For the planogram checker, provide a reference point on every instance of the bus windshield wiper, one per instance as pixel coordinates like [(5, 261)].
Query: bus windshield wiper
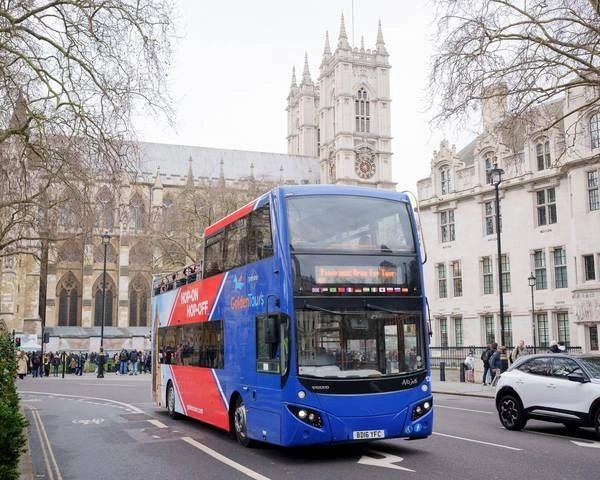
[(381, 309), (321, 309)]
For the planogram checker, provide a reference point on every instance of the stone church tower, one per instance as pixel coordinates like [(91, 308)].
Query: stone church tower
[(345, 119)]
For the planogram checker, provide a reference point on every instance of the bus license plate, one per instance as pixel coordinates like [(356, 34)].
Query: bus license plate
[(368, 434)]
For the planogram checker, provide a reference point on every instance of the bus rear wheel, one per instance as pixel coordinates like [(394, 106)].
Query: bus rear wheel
[(240, 424), (171, 402)]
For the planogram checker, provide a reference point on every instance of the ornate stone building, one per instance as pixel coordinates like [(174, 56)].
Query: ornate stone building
[(338, 132), (345, 118), (550, 226)]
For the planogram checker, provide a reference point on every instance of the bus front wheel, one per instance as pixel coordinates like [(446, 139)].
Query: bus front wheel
[(171, 402), (240, 424)]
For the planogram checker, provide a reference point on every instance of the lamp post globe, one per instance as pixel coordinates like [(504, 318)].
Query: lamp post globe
[(105, 241), (496, 179), (531, 280)]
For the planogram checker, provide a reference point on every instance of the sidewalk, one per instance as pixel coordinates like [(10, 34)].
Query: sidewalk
[(465, 389)]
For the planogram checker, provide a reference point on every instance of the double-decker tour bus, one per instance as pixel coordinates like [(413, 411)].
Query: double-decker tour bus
[(305, 324)]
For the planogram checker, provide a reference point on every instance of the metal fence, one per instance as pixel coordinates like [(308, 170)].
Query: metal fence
[(454, 356)]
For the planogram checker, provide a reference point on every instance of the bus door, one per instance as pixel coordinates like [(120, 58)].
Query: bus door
[(272, 368)]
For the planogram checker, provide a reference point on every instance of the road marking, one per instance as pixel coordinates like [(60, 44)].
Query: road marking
[(387, 461), (158, 423), (477, 441), (551, 435), (107, 400), (586, 444), (42, 445), (46, 446), (224, 459), (464, 409), (87, 421)]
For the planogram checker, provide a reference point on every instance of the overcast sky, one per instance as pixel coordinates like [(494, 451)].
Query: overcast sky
[(233, 64)]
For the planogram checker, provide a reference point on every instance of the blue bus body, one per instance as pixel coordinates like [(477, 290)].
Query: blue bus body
[(304, 338)]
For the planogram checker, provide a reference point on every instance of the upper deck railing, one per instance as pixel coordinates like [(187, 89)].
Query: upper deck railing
[(181, 277)]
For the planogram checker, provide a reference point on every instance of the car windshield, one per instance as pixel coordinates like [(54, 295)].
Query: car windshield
[(358, 344), (592, 365)]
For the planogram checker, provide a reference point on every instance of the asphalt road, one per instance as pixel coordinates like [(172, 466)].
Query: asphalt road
[(85, 428)]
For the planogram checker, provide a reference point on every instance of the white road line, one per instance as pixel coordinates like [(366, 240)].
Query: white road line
[(158, 423), (224, 459), (43, 433), (108, 400), (477, 441), (463, 409)]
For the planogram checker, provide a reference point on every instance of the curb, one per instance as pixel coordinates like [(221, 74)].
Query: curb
[(463, 394), (25, 461)]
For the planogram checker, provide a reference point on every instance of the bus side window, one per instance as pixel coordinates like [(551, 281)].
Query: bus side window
[(213, 254), (260, 240)]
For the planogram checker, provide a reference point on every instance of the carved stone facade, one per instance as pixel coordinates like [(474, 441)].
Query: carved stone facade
[(550, 225), (344, 119), (137, 214)]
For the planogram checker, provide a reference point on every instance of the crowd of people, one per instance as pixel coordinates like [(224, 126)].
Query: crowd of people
[(123, 362), (496, 359)]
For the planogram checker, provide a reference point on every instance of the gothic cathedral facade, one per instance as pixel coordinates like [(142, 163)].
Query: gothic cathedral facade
[(344, 119)]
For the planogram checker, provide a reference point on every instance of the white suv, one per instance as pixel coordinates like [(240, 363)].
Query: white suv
[(551, 387)]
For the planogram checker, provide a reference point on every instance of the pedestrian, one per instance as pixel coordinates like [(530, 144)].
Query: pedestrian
[(21, 365), (55, 364), (35, 364), (133, 358), (519, 351), (80, 364), (485, 358), (73, 364), (495, 362), (470, 367), (46, 365), (554, 347), (123, 358)]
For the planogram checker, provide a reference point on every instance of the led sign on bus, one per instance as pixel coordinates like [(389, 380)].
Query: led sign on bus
[(358, 274)]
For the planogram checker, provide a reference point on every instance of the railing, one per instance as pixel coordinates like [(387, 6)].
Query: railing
[(453, 357), (177, 279)]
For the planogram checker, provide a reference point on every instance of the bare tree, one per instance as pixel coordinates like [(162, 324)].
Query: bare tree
[(72, 73), (538, 49)]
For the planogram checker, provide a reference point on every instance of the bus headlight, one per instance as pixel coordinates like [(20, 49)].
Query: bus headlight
[(311, 417), (421, 409)]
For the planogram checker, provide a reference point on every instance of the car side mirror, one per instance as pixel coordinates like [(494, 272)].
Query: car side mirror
[(577, 377)]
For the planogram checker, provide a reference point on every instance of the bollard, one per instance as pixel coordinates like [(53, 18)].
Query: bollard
[(442, 371), (462, 373)]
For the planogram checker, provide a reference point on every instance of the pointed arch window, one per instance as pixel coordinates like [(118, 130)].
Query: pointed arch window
[(68, 301), (138, 302), (595, 130), (362, 111), (68, 216), (445, 179), (136, 213), (490, 162), (104, 209), (108, 310)]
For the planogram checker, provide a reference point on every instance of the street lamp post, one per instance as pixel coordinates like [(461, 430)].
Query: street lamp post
[(531, 280), (105, 242), (496, 177)]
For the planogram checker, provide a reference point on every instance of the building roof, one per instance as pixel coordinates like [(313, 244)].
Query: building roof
[(86, 332), (208, 163)]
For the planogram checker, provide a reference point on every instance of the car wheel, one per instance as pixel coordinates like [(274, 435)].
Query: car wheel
[(240, 424), (171, 402), (597, 422), (511, 413)]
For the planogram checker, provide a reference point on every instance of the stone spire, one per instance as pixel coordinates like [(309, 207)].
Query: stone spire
[(294, 84), (327, 49), (157, 181), (380, 43), (362, 43), (190, 174), (221, 172), (306, 80), (343, 38)]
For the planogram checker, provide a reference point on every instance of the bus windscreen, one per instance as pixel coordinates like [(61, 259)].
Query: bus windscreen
[(349, 223)]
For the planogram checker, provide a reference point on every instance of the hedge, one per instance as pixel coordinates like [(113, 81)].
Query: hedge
[(12, 423)]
